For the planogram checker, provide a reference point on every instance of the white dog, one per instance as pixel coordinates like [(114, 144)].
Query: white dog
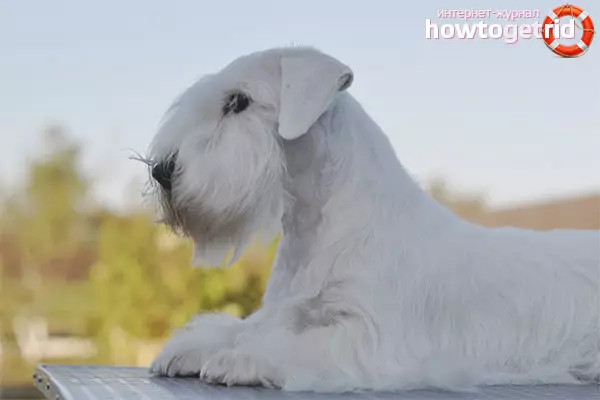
[(375, 285)]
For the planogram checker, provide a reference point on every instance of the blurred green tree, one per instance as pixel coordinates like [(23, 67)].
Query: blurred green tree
[(44, 221), (144, 286), (45, 241)]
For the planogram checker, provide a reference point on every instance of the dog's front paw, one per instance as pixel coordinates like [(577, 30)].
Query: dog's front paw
[(184, 354), (238, 367), (178, 359)]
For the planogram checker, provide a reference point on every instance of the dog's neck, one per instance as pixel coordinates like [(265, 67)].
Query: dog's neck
[(339, 179), (345, 157)]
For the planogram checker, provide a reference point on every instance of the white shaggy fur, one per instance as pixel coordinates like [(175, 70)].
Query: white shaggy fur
[(375, 285)]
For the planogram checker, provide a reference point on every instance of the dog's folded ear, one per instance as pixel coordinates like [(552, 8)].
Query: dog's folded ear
[(309, 82)]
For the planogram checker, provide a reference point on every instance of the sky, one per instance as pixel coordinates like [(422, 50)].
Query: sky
[(512, 122)]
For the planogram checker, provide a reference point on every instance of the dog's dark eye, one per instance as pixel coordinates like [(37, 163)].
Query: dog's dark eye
[(236, 103)]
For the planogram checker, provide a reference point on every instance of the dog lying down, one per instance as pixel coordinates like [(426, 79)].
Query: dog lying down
[(375, 285)]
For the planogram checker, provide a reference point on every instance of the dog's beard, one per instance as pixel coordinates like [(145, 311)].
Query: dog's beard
[(222, 220), (220, 238)]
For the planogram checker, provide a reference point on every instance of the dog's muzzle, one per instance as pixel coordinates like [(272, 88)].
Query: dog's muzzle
[(162, 172)]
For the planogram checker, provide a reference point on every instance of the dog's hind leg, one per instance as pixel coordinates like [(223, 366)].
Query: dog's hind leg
[(587, 372)]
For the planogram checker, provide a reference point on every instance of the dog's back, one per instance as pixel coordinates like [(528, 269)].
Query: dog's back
[(577, 251)]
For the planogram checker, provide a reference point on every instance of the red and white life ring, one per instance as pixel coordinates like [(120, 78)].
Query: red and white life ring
[(574, 50)]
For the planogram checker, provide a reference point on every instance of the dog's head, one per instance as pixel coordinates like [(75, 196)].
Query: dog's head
[(217, 165)]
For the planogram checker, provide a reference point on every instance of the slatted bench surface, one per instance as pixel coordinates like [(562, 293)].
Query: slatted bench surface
[(68, 382)]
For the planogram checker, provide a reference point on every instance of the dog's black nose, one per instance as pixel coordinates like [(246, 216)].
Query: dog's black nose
[(163, 173)]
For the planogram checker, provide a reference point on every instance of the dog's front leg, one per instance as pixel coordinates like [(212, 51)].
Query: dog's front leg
[(190, 347), (303, 345)]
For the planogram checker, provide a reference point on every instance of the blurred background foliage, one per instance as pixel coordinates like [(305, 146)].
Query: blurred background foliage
[(114, 279)]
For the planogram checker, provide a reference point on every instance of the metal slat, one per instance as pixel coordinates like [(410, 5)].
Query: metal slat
[(68, 382)]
